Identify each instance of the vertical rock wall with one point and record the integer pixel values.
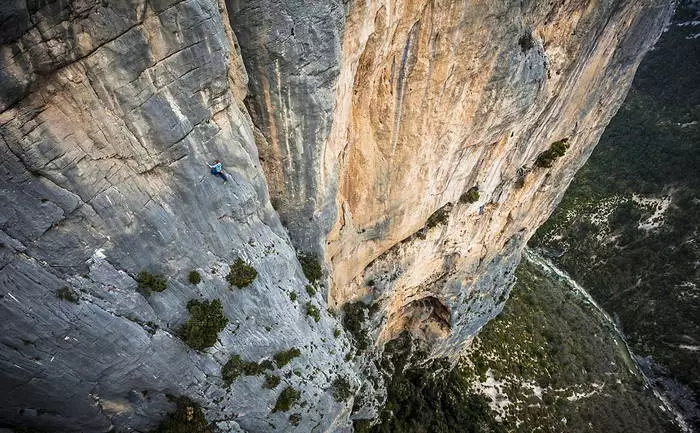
(292, 50)
(110, 111)
(431, 99)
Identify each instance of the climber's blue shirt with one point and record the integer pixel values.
(216, 168)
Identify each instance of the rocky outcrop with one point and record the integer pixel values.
(366, 121)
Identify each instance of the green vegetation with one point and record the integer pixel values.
(313, 312)
(549, 336)
(271, 381)
(151, 282)
(310, 290)
(555, 151)
(187, 418)
(548, 345)
(236, 367)
(207, 319)
(470, 196)
(428, 398)
(293, 296)
(439, 217)
(336, 333)
(311, 266)
(341, 389)
(354, 316)
(362, 425)
(241, 274)
(288, 397)
(284, 357)
(68, 294)
(526, 42)
(194, 278)
(646, 277)
(295, 419)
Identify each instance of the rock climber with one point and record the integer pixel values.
(218, 170)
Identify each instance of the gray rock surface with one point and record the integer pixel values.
(109, 111)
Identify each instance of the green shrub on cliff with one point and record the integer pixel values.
(151, 282)
(311, 266)
(271, 381)
(286, 399)
(555, 151)
(438, 217)
(187, 418)
(470, 196)
(313, 312)
(236, 367)
(282, 358)
(354, 315)
(67, 294)
(207, 319)
(241, 274)
(194, 278)
(341, 389)
(526, 42)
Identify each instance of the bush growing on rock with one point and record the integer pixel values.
(236, 367)
(311, 266)
(313, 312)
(288, 397)
(310, 290)
(470, 196)
(271, 381)
(341, 389)
(187, 418)
(207, 319)
(67, 294)
(194, 278)
(438, 217)
(354, 314)
(555, 151)
(151, 282)
(282, 358)
(232, 369)
(526, 42)
(241, 274)
(295, 419)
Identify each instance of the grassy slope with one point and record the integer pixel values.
(649, 279)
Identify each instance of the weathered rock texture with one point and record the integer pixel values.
(431, 98)
(109, 115)
(370, 120)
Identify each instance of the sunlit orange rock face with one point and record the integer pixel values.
(419, 102)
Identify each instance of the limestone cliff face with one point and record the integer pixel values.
(109, 113)
(430, 99)
(366, 121)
